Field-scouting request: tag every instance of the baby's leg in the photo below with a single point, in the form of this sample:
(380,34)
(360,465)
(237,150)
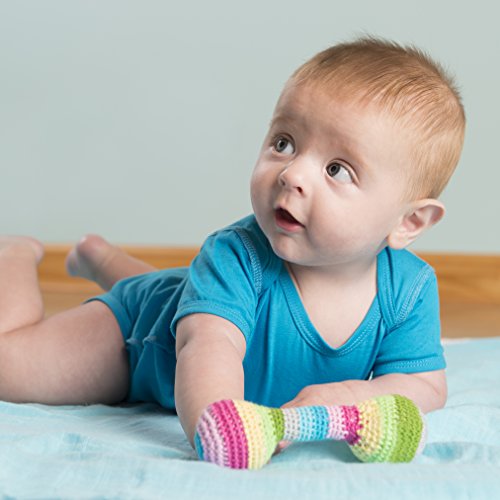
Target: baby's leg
(95,259)
(20,299)
(74,357)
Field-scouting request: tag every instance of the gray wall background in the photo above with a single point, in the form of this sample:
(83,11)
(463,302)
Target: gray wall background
(141,120)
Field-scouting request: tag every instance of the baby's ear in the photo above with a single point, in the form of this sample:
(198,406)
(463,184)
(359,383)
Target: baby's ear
(421,215)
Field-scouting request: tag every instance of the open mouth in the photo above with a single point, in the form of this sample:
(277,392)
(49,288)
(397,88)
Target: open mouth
(286,220)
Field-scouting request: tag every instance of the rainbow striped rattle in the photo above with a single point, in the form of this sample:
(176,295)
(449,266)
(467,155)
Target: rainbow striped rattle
(244,435)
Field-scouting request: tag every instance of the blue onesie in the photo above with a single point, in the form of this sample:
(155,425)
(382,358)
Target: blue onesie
(238,277)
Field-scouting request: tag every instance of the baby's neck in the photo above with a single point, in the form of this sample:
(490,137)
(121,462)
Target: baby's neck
(309,279)
(335,303)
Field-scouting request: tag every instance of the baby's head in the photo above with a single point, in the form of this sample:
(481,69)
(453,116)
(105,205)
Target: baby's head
(416,92)
(363,140)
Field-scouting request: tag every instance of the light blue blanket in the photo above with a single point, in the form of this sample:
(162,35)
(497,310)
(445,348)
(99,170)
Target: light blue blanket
(140,451)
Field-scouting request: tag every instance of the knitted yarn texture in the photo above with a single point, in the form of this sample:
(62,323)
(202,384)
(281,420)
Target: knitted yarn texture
(244,435)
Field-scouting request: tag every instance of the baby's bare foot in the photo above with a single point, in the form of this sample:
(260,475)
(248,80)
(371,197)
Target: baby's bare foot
(21,245)
(89,257)
(97,260)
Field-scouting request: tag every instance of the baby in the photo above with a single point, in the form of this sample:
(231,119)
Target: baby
(312,300)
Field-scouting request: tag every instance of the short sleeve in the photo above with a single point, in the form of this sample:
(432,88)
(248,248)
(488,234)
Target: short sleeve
(413,344)
(221,281)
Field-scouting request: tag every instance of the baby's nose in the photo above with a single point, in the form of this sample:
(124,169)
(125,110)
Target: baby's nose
(294,177)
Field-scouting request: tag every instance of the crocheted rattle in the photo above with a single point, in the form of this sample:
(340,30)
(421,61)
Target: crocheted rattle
(243,435)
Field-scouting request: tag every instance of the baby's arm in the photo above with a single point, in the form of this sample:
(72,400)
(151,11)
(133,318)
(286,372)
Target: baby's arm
(210,352)
(427,390)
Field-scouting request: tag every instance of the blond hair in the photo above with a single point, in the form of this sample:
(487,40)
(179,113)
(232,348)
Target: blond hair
(407,83)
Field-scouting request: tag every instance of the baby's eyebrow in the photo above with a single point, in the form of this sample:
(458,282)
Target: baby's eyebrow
(287,118)
(277,119)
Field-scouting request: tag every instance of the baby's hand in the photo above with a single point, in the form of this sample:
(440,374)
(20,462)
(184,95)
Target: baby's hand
(335,393)
(323,395)
(311,395)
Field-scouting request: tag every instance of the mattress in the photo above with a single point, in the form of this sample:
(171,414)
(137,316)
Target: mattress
(139,451)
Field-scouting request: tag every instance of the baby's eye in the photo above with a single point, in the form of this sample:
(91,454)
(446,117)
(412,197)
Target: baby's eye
(283,145)
(339,172)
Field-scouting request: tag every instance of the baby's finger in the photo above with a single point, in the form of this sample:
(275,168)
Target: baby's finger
(282,445)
